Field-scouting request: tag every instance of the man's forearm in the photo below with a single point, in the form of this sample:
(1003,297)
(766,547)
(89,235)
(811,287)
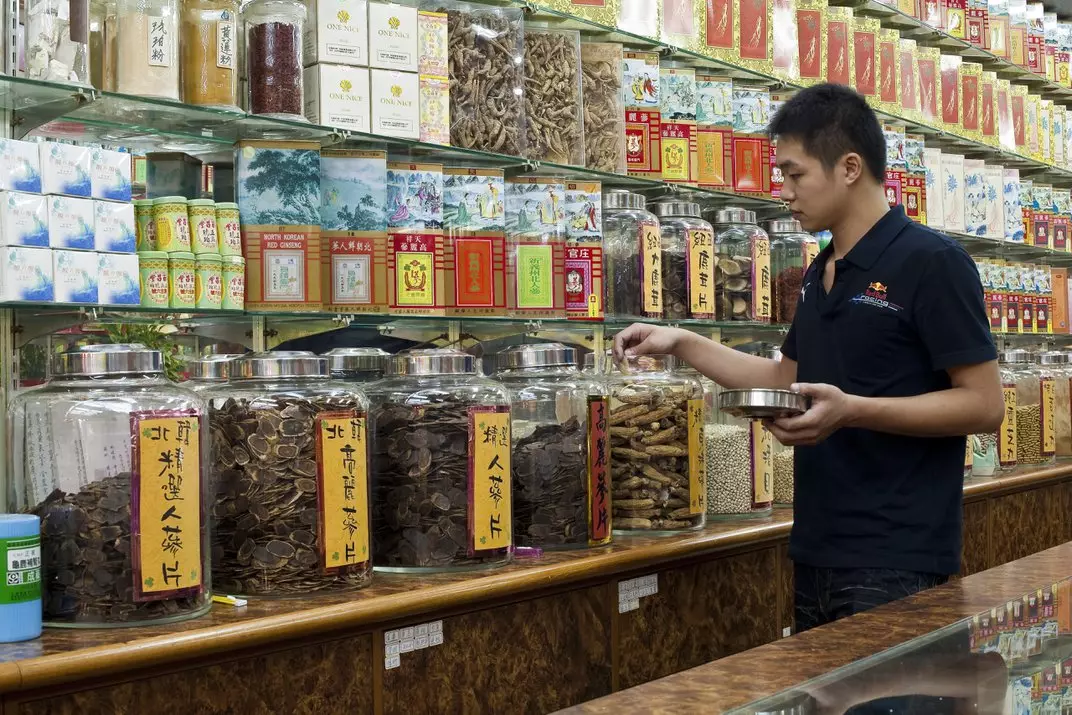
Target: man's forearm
(731,368)
(947,413)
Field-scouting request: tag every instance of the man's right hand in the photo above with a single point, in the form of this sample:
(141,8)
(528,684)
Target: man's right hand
(646,339)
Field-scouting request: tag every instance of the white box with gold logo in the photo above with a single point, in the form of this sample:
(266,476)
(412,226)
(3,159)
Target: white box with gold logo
(336,31)
(395,104)
(338,96)
(392,36)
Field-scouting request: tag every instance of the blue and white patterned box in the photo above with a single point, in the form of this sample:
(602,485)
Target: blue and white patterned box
(26,274)
(113,226)
(65,169)
(23,219)
(110,175)
(70,223)
(74,274)
(118,279)
(952,190)
(974,198)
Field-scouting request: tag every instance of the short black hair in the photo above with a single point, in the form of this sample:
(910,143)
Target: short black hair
(831,120)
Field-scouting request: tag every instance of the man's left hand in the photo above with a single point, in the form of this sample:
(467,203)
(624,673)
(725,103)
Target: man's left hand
(831,409)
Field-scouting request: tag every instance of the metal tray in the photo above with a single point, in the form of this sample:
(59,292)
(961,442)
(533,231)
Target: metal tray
(760,403)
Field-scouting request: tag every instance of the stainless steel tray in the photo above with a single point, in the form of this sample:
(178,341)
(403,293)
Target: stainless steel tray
(760,403)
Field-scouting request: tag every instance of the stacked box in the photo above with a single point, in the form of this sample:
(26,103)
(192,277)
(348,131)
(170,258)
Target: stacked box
(914,187)
(1006,129)
(1045,136)
(978,24)
(811,41)
(474,223)
(865,41)
(643,148)
(928,66)
(1036,39)
(907,85)
(1018,108)
(1014,218)
(950,93)
(679,25)
(1042,215)
(777,179)
(1062,65)
(975,212)
(932,167)
(584,251)
(952,188)
(714,125)
(1018,39)
(536,237)
(896,163)
(995,203)
(416,284)
(1027,210)
(998,22)
(988,109)
(755,35)
(839,54)
(888,70)
(718,35)
(1062,214)
(751,143)
(971,77)
(1049,25)
(785,40)
(678,135)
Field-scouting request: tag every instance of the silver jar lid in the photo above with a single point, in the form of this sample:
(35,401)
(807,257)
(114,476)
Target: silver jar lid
(622,199)
(212,367)
(732,214)
(1052,357)
(785,225)
(1014,357)
(99,360)
(773,353)
(668,209)
(280,363)
(434,361)
(357,359)
(538,355)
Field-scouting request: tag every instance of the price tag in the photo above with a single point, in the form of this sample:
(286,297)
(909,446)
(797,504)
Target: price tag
(762,467)
(651,257)
(490,524)
(701,246)
(1049,442)
(697,458)
(342,493)
(761,279)
(599,508)
(1007,431)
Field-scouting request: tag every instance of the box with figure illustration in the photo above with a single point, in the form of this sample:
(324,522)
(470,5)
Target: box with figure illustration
(535,243)
(641,84)
(416,284)
(584,250)
(474,251)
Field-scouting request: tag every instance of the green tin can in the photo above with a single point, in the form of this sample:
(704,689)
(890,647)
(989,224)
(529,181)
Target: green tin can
(203,226)
(182,280)
(208,289)
(234,283)
(228,229)
(144,230)
(172,222)
(153,272)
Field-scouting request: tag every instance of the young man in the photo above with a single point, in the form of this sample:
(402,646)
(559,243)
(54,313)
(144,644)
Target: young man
(892,343)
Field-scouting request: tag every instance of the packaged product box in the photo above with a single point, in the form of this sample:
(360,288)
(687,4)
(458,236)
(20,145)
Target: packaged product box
(20,166)
(434,107)
(988,109)
(338,96)
(714,126)
(950,93)
(1062,214)
(604,12)
(913,188)
(839,55)
(952,189)
(930,12)
(535,239)
(1018,40)
(907,86)
(888,70)
(641,87)
(1059,316)
(602,65)
(392,30)
(954,18)
(1045,114)
(110,174)
(336,31)
(751,143)
(678,135)
(1027,210)
(1057,136)
(277,185)
(416,284)
(118,279)
(785,45)
(1062,64)
(978,25)
(998,299)
(896,162)
(679,25)
(998,22)
(1068,138)
(928,67)
(1042,215)
(974,198)
(1006,127)
(777,179)
(74,276)
(811,41)
(1018,109)
(474,227)
(932,167)
(755,41)
(65,169)
(353,224)
(971,78)
(718,34)
(395,103)
(995,201)
(26,274)
(1036,39)
(113,226)
(23,219)
(1049,27)
(1032,118)
(584,250)
(639,17)
(907,7)
(1014,295)
(70,223)
(432,43)
(865,56)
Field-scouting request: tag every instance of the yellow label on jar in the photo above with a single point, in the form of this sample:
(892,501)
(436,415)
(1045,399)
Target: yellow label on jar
(762,466)
(343,521)
(1049,441)
(968,454)
(651,267)
(166,504)
(697,458)
(811,250)
(701,246)
(761,279)
(1007,431)
(489,479)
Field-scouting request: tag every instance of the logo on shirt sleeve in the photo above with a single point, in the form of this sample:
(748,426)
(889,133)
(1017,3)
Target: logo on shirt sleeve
(876,296)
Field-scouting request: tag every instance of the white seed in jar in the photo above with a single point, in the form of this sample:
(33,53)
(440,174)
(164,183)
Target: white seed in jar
(729,469)
(783,476)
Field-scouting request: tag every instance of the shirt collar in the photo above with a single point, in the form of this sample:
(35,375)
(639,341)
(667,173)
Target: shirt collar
(877,239)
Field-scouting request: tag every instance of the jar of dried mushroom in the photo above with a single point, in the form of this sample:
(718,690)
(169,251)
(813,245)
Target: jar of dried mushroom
(561,457)
(209,51)
(1029,409)
(743,271)
(110,455)
(147,48)
(274,58)
(688,261)
(740,468)
(289,478)
(1057,364)
(791,252)
(209,371)
(554,120)
(659,484)
(441,477)
(357,364)
(632,257)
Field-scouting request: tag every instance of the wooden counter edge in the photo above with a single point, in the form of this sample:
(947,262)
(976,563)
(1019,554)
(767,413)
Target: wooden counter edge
(979,488)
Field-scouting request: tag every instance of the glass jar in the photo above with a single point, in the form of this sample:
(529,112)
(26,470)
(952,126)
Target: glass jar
(114,550)
(743,273)
(209,371)
(632,257)
(57,37)
(740,467)
(102,44)
(1050,369)
(274,58)
(688,249)
(784,465)
(996,450)
(440,460)
(561,482)
(147,48)
(1057,364)
(1029,413)
(357,364)
(209,49)
(656,427)
(289,466)
(791,252)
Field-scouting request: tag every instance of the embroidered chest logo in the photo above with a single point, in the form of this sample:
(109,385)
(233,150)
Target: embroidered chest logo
(875,296)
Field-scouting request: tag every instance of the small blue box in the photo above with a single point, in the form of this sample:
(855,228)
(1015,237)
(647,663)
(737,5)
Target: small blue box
(23,219)
(74,274)
(111,175)
(113,226)
(70,223)
(118,283)
(65,169)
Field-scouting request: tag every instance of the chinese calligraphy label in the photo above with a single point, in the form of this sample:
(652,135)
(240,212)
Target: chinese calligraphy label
(811,250)
(697,459)
(535,276)
(21,557)
(1048,398)
(225,41)
(166,504)
(342,494)
(761,279)
(651,269)
(1007,431)
(762,467)
(415,270)
(701,247)
(599,506)
(490,500)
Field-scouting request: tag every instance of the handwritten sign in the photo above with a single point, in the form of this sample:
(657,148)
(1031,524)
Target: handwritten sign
(701,247)
(1049,442)
(166,504)
(490,521)
(697,458)
(762,467)
(342,492)
(599,509)
(651,267)
(761,279)
(1007,431)
(811,250)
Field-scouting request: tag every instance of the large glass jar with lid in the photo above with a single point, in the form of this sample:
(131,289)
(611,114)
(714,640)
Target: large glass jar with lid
(657,449)
(274,57)
(561,457)
(147,48)
(1056,365)
(290,479)
(441,477)
(1050,369)
(740,467)
(688,261)
(791,252)
(632,257)
(209,370)
(743,271)
(1029,411)
(357,364)
(110,455)
(995,451)
(209,53)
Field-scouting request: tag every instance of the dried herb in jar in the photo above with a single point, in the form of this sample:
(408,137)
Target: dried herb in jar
(550,470)
(274,64)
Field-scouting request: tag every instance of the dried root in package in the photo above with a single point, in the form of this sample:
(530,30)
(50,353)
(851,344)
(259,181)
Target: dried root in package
(604,111)
(554,117)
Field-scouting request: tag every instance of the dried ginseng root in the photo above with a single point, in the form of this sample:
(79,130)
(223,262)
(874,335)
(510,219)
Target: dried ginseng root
(604,113)
(554,120)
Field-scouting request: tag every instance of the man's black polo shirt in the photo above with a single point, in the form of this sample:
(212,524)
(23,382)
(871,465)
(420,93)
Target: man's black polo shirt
(905,306)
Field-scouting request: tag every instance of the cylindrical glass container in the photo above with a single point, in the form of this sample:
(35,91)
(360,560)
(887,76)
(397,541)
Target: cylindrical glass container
(1058,365)
(147,48)
(274,58)
(1029,413)
(561,483)
(357,364)
(289,466)
(1050,369)
(688,261)
(996,451)
(209,46)
(632,257)
(98,42)
(440,464)
(743,274)
(209,371)
(791,252)
(657,448)
(111,456)
(57,40)
(740,468)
